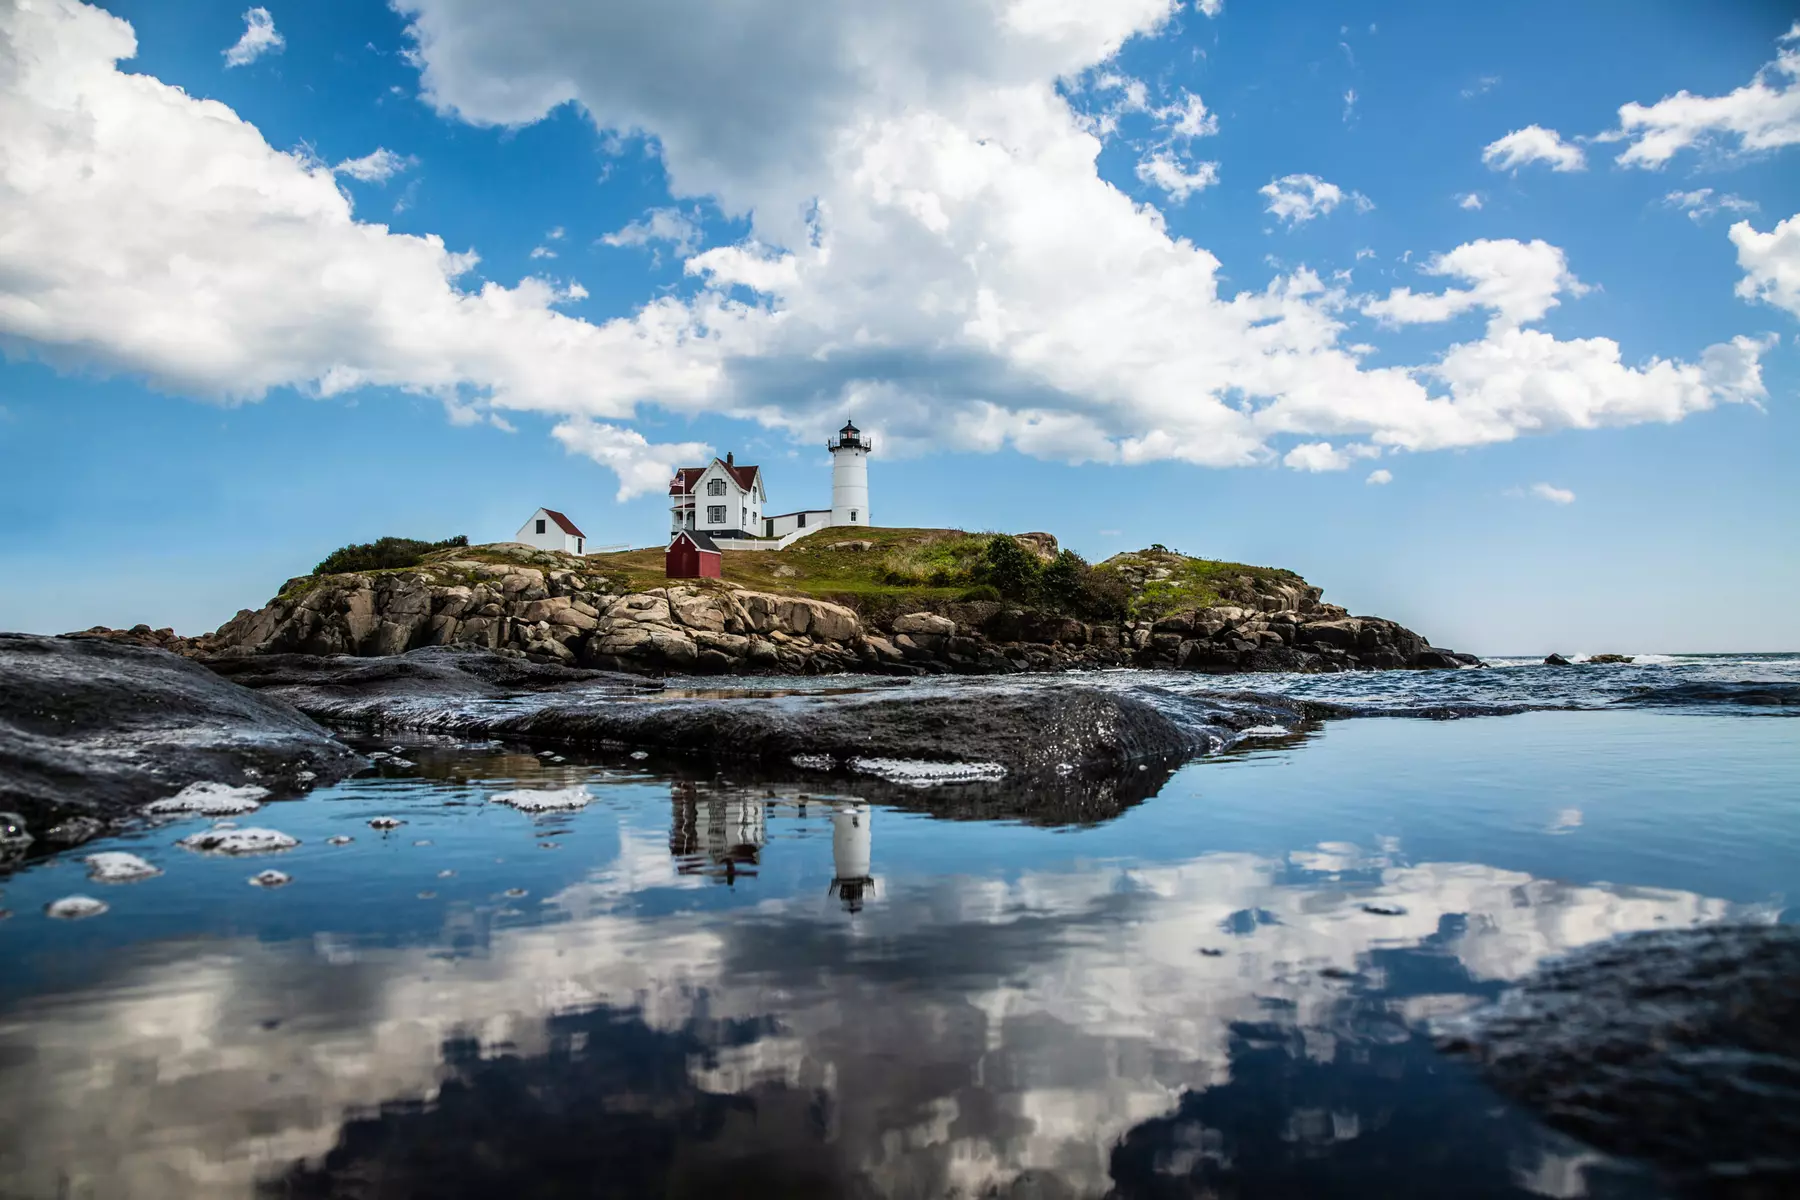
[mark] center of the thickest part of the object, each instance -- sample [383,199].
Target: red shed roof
[563,523]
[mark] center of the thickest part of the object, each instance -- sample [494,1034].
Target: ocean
[707,981]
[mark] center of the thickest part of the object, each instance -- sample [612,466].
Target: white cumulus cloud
[378,166]
[1532,144]
[1470,200]
[1771,263]
[1299,198]
[1764,114]
[243,268]
[929,241]
[1165,170]
[1516,282]
[1701,203]
[260,37]
[669,225]
[1380,476]
[1555,495]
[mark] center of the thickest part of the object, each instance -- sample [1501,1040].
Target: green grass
[905,570]
[1192,582]
[921,566]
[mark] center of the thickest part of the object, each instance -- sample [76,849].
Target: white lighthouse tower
[850,853]
[850,476]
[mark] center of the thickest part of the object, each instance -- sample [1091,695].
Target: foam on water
[912,772]
[239,841]
[74,908]
[546,800]
[210,800]
[116,866]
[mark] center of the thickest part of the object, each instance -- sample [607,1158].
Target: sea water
[696,984]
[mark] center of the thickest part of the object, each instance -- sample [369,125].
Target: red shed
[693,555]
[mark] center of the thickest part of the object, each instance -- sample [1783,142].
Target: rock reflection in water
[1055,1032]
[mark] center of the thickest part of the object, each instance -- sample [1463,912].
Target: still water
[707,986]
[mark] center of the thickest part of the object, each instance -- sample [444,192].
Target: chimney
[728,458]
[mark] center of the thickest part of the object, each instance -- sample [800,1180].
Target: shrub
[1060,582]
[981,591]
[383,554]
[1105,595]
[1009,568]
[1069,585]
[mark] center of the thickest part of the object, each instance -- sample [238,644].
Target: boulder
[1677,1046]
[1345,634]
[1556,660]
[91,730]
[924,623]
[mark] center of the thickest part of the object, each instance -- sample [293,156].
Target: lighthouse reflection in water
[851,880]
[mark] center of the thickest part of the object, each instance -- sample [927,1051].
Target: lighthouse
[850,476]
[850,856]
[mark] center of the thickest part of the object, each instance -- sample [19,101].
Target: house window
[715,514]
[540,527]
[715,487]
[578,548]
[853,516]
[802,521]
[690,518]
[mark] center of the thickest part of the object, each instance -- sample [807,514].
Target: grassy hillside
[929,564]
[886,571]
[922,566]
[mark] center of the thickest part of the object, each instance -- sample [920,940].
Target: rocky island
[506,641]
[890,601]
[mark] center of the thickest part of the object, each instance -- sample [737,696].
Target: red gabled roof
[687,477]
[563,523]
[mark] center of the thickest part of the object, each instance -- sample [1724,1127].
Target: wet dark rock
[1681,1047]
[1612,658]
[1748,691]
[1556,660]
[92,729]
[434,675]
[1034,727]
[15,837]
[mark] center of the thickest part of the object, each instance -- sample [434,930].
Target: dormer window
[715,487]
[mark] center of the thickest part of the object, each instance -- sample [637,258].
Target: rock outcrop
[554,608]
[1026,727]
[90,731]
[1679,1046]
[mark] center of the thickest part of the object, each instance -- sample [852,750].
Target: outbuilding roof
[701,541]
[563,523]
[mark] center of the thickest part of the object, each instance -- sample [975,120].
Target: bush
[383,554]
[1010,568]
[1061,581]
[1069,585]
[981,591]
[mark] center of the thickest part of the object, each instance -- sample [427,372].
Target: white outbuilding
[550,530]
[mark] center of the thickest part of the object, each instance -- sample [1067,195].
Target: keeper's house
[721,500]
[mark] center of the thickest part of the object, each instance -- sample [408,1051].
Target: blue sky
[1198,274]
